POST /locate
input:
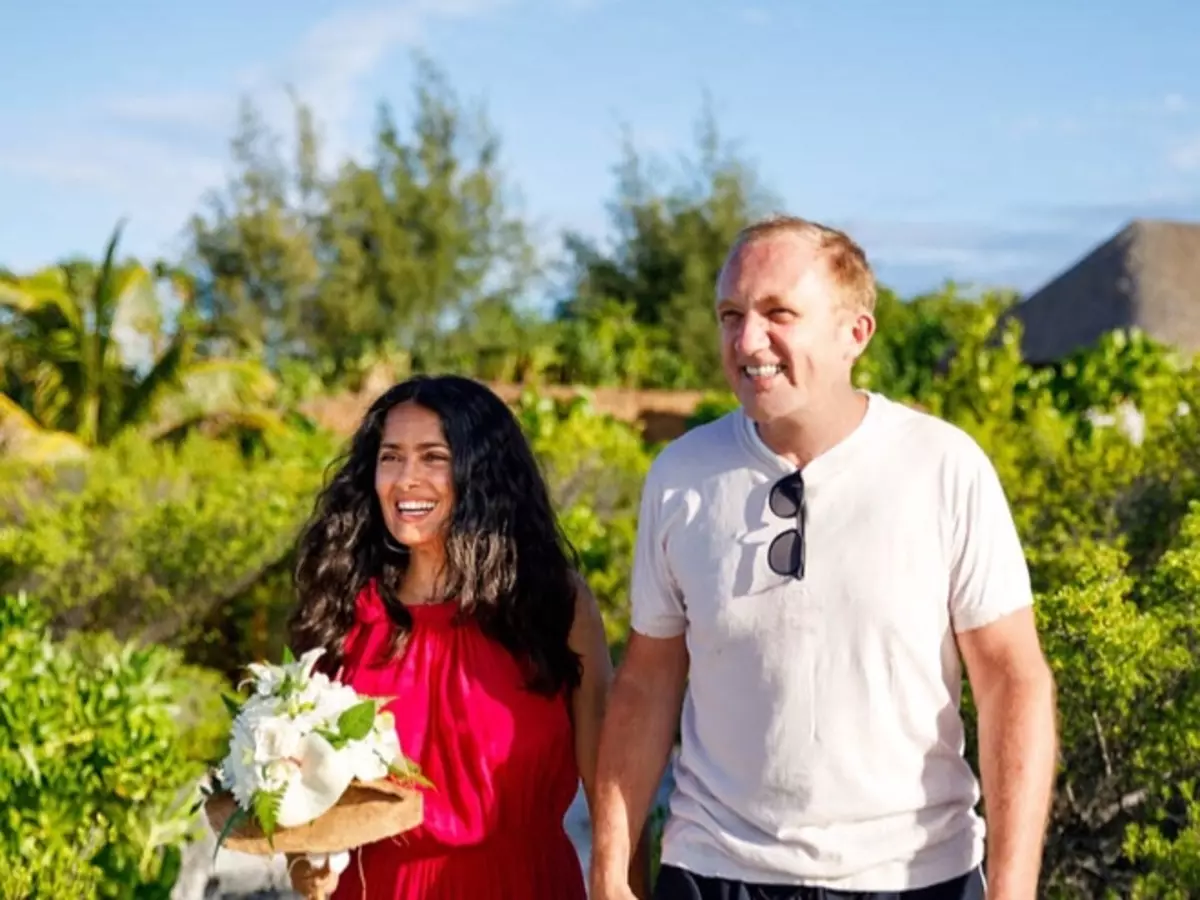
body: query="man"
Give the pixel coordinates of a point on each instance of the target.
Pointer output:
(815, 567)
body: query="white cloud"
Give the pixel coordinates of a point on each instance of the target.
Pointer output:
(139, 179)
(1185, 155)
(191, 109)
(155, 154)
(325, 70)
(1175, 103)
(1100, 115)
(921, 254)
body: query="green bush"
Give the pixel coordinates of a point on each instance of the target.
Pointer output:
(711, 407)
(102, 744)
(145, 539)
(595, 466)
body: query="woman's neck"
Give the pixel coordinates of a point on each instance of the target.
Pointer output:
(424, 578)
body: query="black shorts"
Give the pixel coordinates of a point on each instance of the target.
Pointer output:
(676, 884)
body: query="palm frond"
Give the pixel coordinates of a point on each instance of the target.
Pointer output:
(219, 389)
(163, 377)
(44, 296)
(22, 438)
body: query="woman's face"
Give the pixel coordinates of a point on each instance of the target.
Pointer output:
(413, 476)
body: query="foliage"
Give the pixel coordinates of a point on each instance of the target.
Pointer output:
(88, 354)
(147, 539)
(253, 246)
(595, 466)
(341, 269)
(101, 746)
(1103, 510)
(1121, 368)
(917, 338)
(669, 247)
(416, 258)
(712, 406)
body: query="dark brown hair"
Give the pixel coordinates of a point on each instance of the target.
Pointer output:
(509, 565)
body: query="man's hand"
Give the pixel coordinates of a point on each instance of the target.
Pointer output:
(309, 881)
(639, 730)
(617, 891)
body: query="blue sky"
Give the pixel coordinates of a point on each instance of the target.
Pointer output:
(992, 146)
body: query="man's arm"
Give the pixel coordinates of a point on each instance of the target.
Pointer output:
(588, 705)
(635, 743)
(1018, 747)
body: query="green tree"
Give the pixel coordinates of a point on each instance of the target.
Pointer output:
(254, 248)
(92, 351)
(422, 236)
(669, 244)
(373, 263)
(916, 338)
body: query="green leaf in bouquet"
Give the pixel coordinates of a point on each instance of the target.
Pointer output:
(266, 810)
(409, 772)
(356, 722)
(288, 687)
(236, 818)
(336, 740)
(288, 658)
(234, 705)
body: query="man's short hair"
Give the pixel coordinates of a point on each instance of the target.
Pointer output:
(845, 260)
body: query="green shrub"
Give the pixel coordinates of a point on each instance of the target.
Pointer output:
(711, 407)
(595, 466)
(145, 539)
(101, 746)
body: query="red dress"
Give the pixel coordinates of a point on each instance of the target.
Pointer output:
(502, 761)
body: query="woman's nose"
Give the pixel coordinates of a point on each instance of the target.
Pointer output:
(409, 473)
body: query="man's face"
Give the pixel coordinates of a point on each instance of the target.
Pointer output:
(788, 340)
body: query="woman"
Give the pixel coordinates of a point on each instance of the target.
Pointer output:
(434, 572)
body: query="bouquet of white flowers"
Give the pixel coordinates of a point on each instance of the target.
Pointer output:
(312, 767)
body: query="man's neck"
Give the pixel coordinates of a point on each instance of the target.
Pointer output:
(803, 438)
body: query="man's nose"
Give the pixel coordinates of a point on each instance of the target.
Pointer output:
(752, 336)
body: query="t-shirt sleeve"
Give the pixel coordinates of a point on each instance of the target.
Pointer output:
(656, 603)
(989, 575)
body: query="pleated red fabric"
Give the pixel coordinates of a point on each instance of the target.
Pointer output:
(501, 759)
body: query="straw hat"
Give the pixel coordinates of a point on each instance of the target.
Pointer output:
(367, 812)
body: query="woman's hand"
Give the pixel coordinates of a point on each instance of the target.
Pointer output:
(309, 881)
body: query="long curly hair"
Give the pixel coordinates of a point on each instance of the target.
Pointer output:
(508, 563)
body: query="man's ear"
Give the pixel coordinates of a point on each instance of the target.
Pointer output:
(861, 327)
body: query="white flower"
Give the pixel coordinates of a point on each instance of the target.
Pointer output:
(277, 741)
(322, 779)
(279, 773)
(269, 678)
(363, 761)
(277, 738)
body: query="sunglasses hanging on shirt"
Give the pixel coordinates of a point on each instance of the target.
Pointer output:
(785, 556)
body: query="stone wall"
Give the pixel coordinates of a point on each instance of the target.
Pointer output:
(660, 414)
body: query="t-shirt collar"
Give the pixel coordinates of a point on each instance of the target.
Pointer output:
(827, 462)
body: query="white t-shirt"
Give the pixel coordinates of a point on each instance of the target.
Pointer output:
(821, 736)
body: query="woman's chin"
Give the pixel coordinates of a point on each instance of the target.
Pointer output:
(413, 536)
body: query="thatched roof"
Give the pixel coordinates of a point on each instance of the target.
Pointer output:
(1147, 276)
